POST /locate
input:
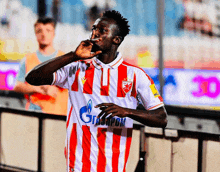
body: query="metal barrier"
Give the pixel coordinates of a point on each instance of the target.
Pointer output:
(172, 148)
(40, 117)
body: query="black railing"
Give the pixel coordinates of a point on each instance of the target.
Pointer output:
(178, 111)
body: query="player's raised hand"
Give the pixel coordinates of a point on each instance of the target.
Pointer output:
(84, 50)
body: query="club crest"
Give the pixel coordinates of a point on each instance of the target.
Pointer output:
(126, 86)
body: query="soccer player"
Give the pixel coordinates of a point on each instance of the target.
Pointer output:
(104, 94)
(49, 99)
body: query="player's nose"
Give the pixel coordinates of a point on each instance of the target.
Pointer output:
(95, 34)
(92, 35)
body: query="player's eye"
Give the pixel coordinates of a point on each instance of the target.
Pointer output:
(103, 30)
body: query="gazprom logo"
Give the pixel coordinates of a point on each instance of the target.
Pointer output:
(85, 112)
(87, 117)
(89, 106)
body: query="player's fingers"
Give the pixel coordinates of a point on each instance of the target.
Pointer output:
(106, 115)
(112, 116)
(104, 105)
(109, 117)
(109, 113)
(95, 40)
(103, 117)
(87, 43)
(97, 52)
(92, 34)
(110, 109)
(100, 114)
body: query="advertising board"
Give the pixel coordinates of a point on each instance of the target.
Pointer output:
(189, 87)
(8, 72)
(182, 86)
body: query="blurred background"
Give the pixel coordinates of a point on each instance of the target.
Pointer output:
(191, 44)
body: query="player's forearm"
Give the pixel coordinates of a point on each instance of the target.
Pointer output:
(42, 74)
(154, 118)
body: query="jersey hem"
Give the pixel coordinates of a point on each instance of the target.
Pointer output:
(156, 107)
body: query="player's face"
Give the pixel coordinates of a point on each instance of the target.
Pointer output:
(45, 33)
(104, 29)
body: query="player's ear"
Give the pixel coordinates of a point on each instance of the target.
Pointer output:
(117, 40)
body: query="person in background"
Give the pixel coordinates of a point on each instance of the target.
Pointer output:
(48, 99)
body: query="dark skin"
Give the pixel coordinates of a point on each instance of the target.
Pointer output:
(105, 48)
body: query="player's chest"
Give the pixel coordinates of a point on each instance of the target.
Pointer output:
(105, 81)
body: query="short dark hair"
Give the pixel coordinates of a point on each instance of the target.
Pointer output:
(121, 22)
(46, 20)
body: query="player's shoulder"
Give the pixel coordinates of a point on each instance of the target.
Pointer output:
(85, 63)
(134, 67)
(80, 64)
(139, 71)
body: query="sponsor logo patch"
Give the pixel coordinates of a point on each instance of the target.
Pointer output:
(154, 90)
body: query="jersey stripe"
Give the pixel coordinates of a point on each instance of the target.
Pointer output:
(89, 76)
(102, 148)
(155, 106)
(66, 155)
(160, 98)
(115, 148)
(101, 138)
(151, 80)
(73, 145)
(68, 120)
(133, 91)
(127, 147)
(86, 146)
(122, 76)
(75, 85)
(105, 89)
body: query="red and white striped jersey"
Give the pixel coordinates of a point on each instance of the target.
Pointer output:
(104, 146)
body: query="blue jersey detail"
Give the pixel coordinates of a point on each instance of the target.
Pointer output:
(87, 117)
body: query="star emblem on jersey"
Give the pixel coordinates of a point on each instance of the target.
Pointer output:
(126, 86)
(83, 79)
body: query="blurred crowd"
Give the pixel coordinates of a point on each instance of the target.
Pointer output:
(186, 22)
(191, 31)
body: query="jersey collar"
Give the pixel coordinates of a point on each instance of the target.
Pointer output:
(114, 64)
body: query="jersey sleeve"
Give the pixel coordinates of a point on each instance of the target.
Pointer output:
(21, 73)
(148, 93)
(60, 77)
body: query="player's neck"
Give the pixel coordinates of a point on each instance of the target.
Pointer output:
(46, 49)
(107, 57)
